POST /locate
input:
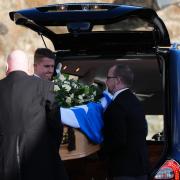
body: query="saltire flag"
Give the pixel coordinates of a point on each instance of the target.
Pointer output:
(88, 118)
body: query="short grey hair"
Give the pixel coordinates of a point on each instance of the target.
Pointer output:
(125, 73)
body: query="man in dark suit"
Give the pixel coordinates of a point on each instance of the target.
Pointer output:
(29, 141)
(125, 128)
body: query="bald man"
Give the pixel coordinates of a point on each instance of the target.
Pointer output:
(17, 61)
(29, 141)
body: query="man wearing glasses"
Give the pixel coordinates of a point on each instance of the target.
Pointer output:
(125, 128)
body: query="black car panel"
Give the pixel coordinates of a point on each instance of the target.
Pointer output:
(79, 21)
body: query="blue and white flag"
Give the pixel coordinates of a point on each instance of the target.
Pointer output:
(89, 117)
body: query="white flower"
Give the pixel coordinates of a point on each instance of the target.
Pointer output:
(55, 81)
(94, 93)
(80, 101)
(72, 96)
(74, 85)
(66, 82)
(56, 88)
(67, 87)
(80, 97)
(68, 100)
(62, 78)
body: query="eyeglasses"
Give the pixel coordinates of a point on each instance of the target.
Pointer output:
(110, 77)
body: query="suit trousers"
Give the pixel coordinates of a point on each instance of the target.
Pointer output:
(130, 178)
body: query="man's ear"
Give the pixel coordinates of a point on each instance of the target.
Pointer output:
(118, 79)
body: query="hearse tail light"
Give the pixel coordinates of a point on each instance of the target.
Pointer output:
(169, 170)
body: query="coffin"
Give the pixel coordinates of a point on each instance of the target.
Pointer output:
(83, 147)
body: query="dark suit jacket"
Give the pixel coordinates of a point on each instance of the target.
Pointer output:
(125, 131)
(29, 142)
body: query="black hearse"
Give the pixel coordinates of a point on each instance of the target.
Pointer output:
(91, 37)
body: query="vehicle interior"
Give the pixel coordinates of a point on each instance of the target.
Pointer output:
(87, 48)
(148, 87)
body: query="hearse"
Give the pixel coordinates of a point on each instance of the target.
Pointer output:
(88, 38)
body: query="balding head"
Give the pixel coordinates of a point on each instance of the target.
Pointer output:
(17, 61)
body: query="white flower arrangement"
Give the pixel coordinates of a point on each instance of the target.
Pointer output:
(71, 92)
